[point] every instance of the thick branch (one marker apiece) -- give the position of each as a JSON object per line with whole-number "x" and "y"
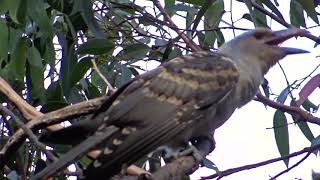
{"x": 186, "y": 164}
{"x": 46, "y": 120}
{"x": 28, "y": 111}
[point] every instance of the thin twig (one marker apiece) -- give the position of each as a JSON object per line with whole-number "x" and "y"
{"x": 286, "y": 78}
{"x": 263, "y": 163}
{"x": 231, "y": 18}
{"x": 293, "y": 166}
{"x": 271, "y": 15}
{"x": 206, "y": 5}
{"x": 95, "y": 67}
{"x": 193, "y": 46}
{"x": 28, "y": 111}
{"x": 27, "y": 131}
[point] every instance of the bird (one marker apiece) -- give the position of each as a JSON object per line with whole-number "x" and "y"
{"x": 187, "y": 97}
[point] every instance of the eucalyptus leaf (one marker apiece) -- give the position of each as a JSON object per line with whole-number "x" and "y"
{"x": 281, "y": 134}
{"x": 309, "y": 7}
{"x": 4, "y": 38}
{"x": 305, "y": 129}
{"x": 134, "y": 51}
{"x": 296, "y": 14}
{"x": 96, "y": 47}
{"x": 18, "y": 59}
{"x": 36, "y": 72}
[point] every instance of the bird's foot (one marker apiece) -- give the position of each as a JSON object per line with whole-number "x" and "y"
{"x": 192, "y": 150}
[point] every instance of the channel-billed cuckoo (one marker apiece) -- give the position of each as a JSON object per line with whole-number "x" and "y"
{"x": 187, "y": 97}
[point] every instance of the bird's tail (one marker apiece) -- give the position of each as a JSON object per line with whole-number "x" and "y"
{"x": 75, "y": 153}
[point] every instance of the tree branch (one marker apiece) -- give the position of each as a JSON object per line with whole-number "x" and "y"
{"x": 305, "y": 116}
{"x": 28, "y": 132}
{"x": 28, "y": 111}
{"x": 95, "y": 67}
{"x": 193, "y": 46}
{"x": 263, "y": 163}
{"x": 46, "y": 120}
{"x": 293, "y": 166}
{"x": 186, "y": 164}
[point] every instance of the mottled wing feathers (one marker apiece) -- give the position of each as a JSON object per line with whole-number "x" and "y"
{"x": 159, "y": 105}
{"x": 204, "y": 77}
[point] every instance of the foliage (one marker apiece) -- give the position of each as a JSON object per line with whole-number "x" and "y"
{"x": 48, "y": 48}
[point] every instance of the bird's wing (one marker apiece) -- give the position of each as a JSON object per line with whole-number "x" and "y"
{"x": 153, "y": 109}
{"x": 158, "y": 106}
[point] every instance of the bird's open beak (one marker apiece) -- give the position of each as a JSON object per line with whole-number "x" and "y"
{"x": 283, "y": 35}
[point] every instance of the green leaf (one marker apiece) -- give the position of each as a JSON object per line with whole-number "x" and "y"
{"x": 96, "y": 47}
{"x": 68, "y": 64}
{"x": 258, "y": 18}
{"x": 296, "y": 14}
{"x": 54, "y": 98}
{"x": 14, "y": 36}
{"x": 53, "y": 105}
{"x": 309, "y": 7}
{"x": 50, "y": 53}
{"x": 36, "y": 71}
{"x": 18, "y": 10}
{"x": 80, "y": 70}
{"x": 283, "y": 95}
{"x": 190, "y": 18}
{"x": 220, "y": 37}
{"x": 5, "y": 5}
{"x": 18, "y": 59}
{"x": 54, "y": 92}
{"x": 168, "y": 6}
{"x": 37, "y": 11}
{"x": 209, "y": 164}
{"x": 4, "y": 38}
{"x": 310, "y": 106}
{"x": 315, "y": 142}
{"x": 281, "y": 134}
{"x": 194, "y": 2}
{"x": 85, "y": 161}
{"x": 85, "y": 8}
{"x": 214, "y": 13}
{"x": 175, "y": 53}
{"x": 304, "y": 127}
{"x": 125, "y": 76}
{"x": 207, "y": 40}
{"x": 273, "y": 8}
{"x": 265, "y": 87}
{"x": 134, "y": 51}
{"x": 91, "y": 91}
{"x": 165, "y": 54}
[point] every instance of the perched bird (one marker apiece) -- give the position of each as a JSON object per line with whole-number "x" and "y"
{"x": 187, "y": 97}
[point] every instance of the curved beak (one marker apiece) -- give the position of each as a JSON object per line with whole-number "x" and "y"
{"x": 283, "y": 35}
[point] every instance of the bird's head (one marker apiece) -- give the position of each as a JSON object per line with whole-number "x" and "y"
{"x": 261, "y": 46}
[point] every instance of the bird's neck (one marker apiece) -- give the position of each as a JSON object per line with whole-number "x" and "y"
{"x": 251, "y": 72}
{"x": 251, "y": 75}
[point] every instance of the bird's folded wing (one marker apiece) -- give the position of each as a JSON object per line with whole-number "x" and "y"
{"x": 161, "y": 104}
{"x": 156, "y": 107}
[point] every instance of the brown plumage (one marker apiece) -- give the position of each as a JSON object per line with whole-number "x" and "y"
{"x": 188, "y": 97}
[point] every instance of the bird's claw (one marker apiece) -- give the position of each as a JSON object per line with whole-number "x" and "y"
{"x": 192, "y": 150}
